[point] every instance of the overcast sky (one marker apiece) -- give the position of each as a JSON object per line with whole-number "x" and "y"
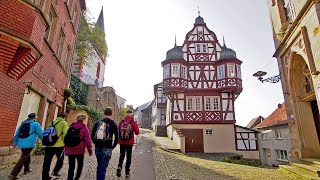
{"x": 140, "y": 32}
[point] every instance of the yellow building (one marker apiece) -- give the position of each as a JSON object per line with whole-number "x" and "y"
{"x": 296, "y": 33}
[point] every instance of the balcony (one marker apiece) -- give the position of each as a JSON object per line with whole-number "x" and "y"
{"x": 174, "y": 85}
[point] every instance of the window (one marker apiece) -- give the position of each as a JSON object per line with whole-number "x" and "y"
{"x": 289, "y": 9}
{"x": 194, "y": 103}
{"x": 231, "y": 71}
{"x": 66, "y": 60}
{"x": 208, "y": 103}
{"x": 198, "y": 103}
{"x": 204, "y": 48}
{"x": 183, "y": 72}
{"x": 60, "y": 43}
{"x": 278, "y": 134}
{"x": 198, "y": 48}
{"x": 238, "y": 71}
{"x": 221, "y": 72}
{"x": 175, "y": 70}
{"x": 216, "y": 103}
{"x": 52, "y": 19}
{"x": 166, "y": 71}
{"x": 74, "y": 14}
{"x": 201, "y": 48}
{"x": 264, "y": 135}
{"x": 189, "y": 103}
{"x": 209, "y": 131}
{"x": 282, "y": 155}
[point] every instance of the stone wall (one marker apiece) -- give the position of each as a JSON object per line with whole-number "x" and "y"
{"x": 8, "y": 155}
{"x": 161, "y": 131}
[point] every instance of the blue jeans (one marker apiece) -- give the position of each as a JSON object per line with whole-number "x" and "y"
{"x": 103, "y": 155}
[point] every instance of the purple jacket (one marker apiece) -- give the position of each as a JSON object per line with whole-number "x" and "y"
{"x": 85, "y": 135}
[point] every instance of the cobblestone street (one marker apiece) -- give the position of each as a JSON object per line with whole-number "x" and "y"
{"x": 150, "y": 162}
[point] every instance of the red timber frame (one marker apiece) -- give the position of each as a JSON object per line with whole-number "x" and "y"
{"x": 201, "y": 51}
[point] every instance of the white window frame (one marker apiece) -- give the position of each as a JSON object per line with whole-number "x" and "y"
{"x": 175, "y": 70}
{"x": 198, "y": 48}
{"x": 231, "y": 70}
{"x": 208, "y": 103}
{"x": 198, "y": 103}
{"x": 282, "y": 155}
{"x": 183, "y": 72}
{"x": 264, "y": 135}
{"x": 278, "y": 134}
{"x": 209, "y": 132}
{"x": 290, "y": 11}
{"x": 166, "y": 73}
{"x": 221, "y": 72}
{"x": 216, "y": 103}
{"x": 189, "y": 103}
{"x": 238, "y": 71}
{"x": 204, "y": 48}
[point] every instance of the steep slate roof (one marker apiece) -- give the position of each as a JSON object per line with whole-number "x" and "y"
{"x": 255, "y": 121}
{"x": 278, "y": 117}
{"x": 100, "y": 20}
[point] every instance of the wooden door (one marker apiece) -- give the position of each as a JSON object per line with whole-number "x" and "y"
{"x": 193, "y": 140}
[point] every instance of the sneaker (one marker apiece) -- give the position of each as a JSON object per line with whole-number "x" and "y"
{"x": 127, "y": 173}
{"x": 11, "y": 177}
{"x": 119, "y": 172}
{"x": 28, "y": 171}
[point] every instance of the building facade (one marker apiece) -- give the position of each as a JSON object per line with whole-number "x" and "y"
{"x": 296, "y": 28}
{"x": 274, "y": 139}
{"x": 93, "y": 72}
{"x": 159, "y": 111}
{"x": 201, "y": 80}
{"x": 37, "y": 40}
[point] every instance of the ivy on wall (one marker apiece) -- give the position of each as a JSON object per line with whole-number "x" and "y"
{"x": 79, "y": 90}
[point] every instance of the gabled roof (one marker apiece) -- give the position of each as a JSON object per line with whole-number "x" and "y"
{"x": 255, "y": 121}
{"x": 278, "y": 117}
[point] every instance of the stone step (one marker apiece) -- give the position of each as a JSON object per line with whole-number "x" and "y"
{"x": 308, "y": 167}
{"x": 299, "y": 171}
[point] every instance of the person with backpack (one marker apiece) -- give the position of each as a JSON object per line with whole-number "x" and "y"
{"x": 25, "y": 138}
{"x": 77, "y": 138}
{"x": 102, "y": 136}
{"x": 127, "y": 128}
{"x": 53, "y": 140}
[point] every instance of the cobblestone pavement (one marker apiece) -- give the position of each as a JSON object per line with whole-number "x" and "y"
{"x": 90, "y": 164}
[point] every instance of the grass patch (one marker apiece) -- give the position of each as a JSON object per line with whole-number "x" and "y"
{"x": 242, "y": 162}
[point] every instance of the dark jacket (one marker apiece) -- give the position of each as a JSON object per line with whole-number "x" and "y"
{"x": 113, "y": 132}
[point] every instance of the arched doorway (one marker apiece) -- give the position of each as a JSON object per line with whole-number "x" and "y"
{"x": 305, "y": 129}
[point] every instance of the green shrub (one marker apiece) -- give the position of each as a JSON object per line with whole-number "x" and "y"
{"x": 39, "y": 149}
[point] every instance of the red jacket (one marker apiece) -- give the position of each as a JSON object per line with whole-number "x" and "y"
{"x": 135, "y": 130}
{"x": 85, "y": 135}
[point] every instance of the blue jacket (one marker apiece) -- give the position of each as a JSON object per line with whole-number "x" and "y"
{"x": 28, "y": 142}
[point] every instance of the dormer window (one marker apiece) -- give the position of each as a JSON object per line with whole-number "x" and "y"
{"x": 231, "y": 70}
{"x": 201, "y": 48}
{"x": 183, "y": 72}
{"x": 175, "y": 70}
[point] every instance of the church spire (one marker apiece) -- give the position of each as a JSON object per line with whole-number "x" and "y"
{"x": 100, "y": 21}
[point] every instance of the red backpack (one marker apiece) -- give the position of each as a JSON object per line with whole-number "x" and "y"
{"x": 125, "y": 130}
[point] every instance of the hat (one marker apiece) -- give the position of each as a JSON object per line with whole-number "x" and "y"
{"x": 129, "y": 111}
{"x": 32, "y": 115}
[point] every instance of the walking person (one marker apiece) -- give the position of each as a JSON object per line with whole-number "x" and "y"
{"x": 102, "y": 136}
{"x": 127, "y": 128}
{"x": 76, "y": 140}
{"x": 59, "y": 127}
{"x": 25, "y": 138}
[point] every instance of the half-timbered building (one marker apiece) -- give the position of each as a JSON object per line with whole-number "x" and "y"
{"x": 201, "y": 80}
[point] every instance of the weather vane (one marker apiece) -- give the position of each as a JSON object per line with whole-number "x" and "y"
{"x": 198, "y": 11}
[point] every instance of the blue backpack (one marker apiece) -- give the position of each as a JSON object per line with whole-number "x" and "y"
{"x": 50, "y": 136}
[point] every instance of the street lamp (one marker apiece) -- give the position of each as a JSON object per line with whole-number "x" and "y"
{"x": 97, "y": 99}
{"x": 260, "y": 74}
